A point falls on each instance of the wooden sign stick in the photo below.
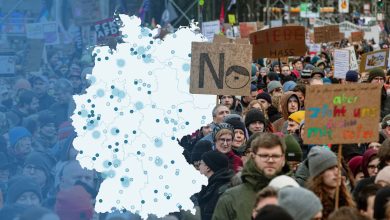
(337, 197)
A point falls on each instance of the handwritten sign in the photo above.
(278, 42)
(327, 34)
(353, 64)
(341, 63)
(357, 36)
(374, 59)
(340, 114)
(246, 28)
(7, 63)
(106, 28)
(210, 28)
(220, 68)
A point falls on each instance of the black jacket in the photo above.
(209, 195)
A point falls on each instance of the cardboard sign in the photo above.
(374, 59)
(326, 34)
(357, 36)
(7, 63)
(278, 42)
(86, 11)
(353, 64)
(210, 28)
(220, 69)
(341, 63)
(106, 28)
(341, 114)
(246, 28)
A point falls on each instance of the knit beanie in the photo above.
(200, 148)
(318, 70)
(40, 161)
(297, 116)
(320, 159)
(383, 175)
(74, 204)
(265, 96)
(273, 212)
(376, 72)
(215, 160)
(19, 185)
(355, 165)
(288, 86)
(352, 76)
(237, 124)
(272, 76)
(299, 202)
(218, 127)
(381, 199)
(370, 153)
(282, 181)
(254, 115)
(273, 85)
(17, 133)
(229, 117)
(314, 60)
(293, 149)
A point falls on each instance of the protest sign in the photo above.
(278, 42)
(210, 28)
(357, 36)
(106, 28)
(342, 114)
(34, 31)
(86, 11)
(7, 63)
(246, 28)
(341, 63)
(326, 34)
(353, 64)
(374, 59)
(220, 68)
(47, 31)
(34, 51)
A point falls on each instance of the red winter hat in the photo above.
(355, 164)
(74, 204)
(370, 153)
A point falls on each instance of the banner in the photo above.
(327, 34)
(279, 42)
(342, 114)
(106, 28)
(220, 68)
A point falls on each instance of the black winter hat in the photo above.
(352, 76)
(272, 212)
(236, 123)
(215, 160)
(264, 96)
(19, 185)
(200, 148)
(254, 115)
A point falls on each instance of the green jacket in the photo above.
(237, 202)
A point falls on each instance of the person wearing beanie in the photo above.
(215, 166)
(240, 135)
(289, 86)
(289, 104)
(383, 177)
(351, 77)
(47, 136)
(275, 66)
(300, 203)
(376, 75)
(23, 190)
(223, 135)
(294, 121)
(272, 212)
(200, 148)
(274, 88)
(382, 199)
(74, 204)
(282, 181)
(20, 144)
(293, 152)
(255, 121)
(355, 165)
(385, 128)
(317, 73)
(245, 100)
(370, 163)
(324, 175)
(27, 104)
(266, 104)
(266, 162)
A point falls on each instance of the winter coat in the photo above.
(237, 202)
(209, 195)
(278, 124)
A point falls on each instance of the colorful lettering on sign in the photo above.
(342, 99)
(319, 132)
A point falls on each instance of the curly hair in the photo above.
(317, 185)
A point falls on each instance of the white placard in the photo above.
(210, 28)
(353, 64)
(341, 63)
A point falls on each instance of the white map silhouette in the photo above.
(128, 121)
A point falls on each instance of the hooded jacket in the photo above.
(209, 195)
(237, 202)
(279, 124)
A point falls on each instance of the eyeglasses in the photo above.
(223, 140)
(266, 157)
(372, 166)
(378, 79)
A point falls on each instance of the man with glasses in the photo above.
(377, 76)
(267, 161)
